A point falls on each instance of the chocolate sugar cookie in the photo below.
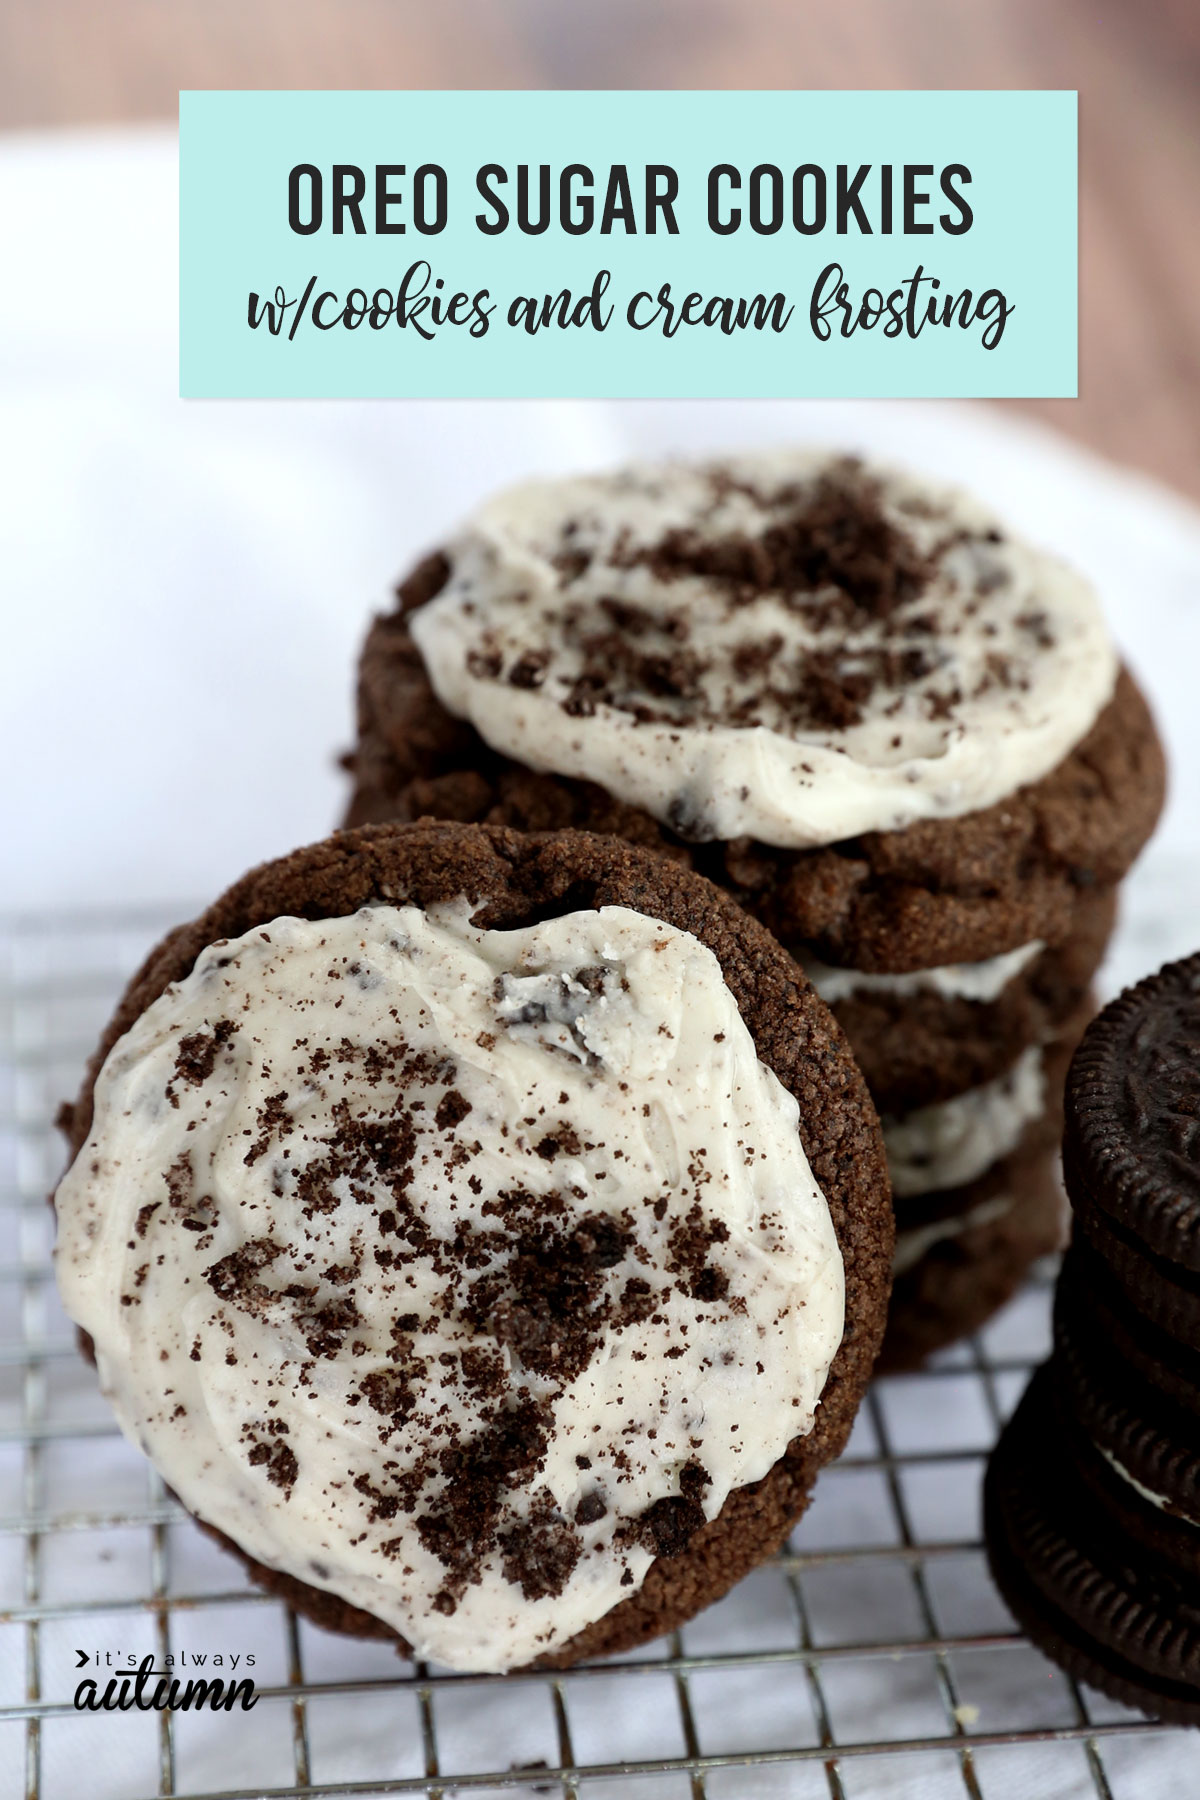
(486, 1235)
(898, 733)
(959, 1262)
(930, 1034)
(978, 1200)
(1093, 1494)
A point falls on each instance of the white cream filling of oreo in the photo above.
(1020, 661)
(955, 1141)
(591, 1074)
(1159, 1501)
(982, 982)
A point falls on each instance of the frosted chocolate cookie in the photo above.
(930, 1034)
(488, 1236)
(962, 1255)
(900, 735)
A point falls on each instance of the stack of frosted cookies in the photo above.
(486, 1236)
(899, 736)
(1093, 1493)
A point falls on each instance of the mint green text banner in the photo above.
(607, 244)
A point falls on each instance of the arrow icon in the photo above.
(84, 1657)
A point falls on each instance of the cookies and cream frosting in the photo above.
(460, 1273)
(951, 1142)
(786, 646)
(915, 1242)
(981, 982)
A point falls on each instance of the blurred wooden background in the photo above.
(1136, 64)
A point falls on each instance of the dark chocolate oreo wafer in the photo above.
(1130, 1422)
(1133, 1112)
(1164, 1292)
(1112, 1617)
(1121, 1506)
(1091, 1305)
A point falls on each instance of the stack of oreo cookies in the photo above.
(901, 738)
(1093, 1493)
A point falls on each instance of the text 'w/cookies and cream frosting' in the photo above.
(785, 646)
(460, 1273)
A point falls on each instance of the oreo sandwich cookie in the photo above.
(1085, 1592)
(1135, 1448)
(1132, 1138)
(1165, 1293)
(421, 1185)
(1092, 1306)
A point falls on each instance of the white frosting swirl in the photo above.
(733, 688)
(954, 1141)
(456, 1272)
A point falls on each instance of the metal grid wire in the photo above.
(871, 1658)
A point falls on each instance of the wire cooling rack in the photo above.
(872, 1658)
